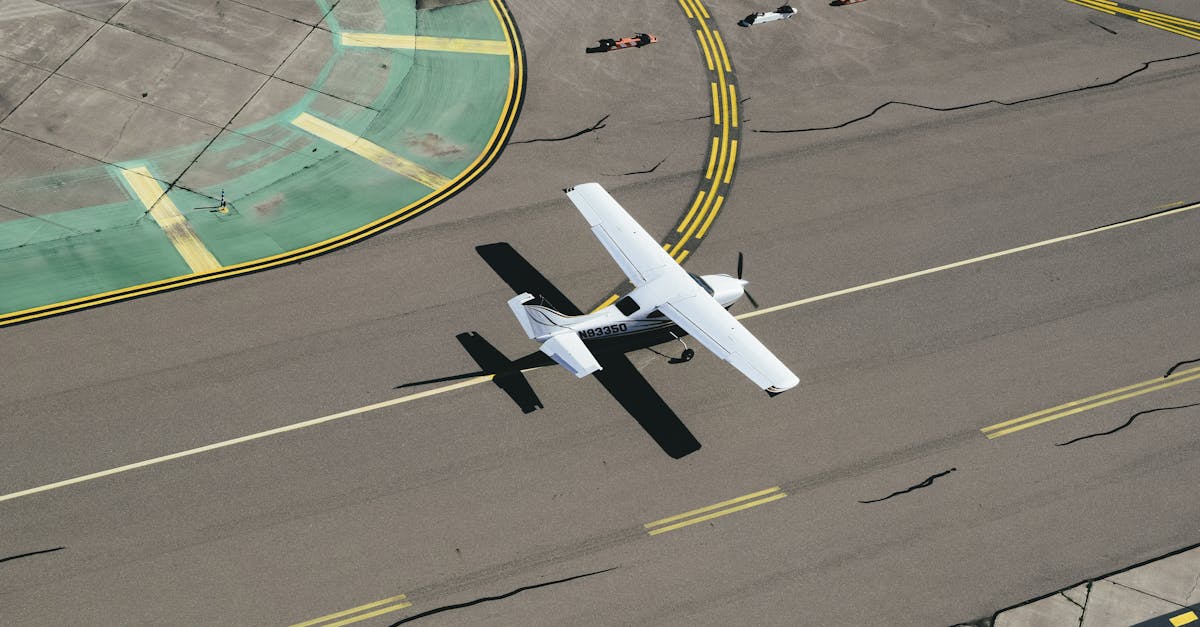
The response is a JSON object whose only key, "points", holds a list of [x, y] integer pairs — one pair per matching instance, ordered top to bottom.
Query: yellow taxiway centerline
{"points": [[420, 42], [368, 150], [150, 192], [354, 610]]}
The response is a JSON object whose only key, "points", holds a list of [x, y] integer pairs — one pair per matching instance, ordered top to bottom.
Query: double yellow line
{"points": [[1170, 23], [1091, 402], [716, 510], [360, 613]]}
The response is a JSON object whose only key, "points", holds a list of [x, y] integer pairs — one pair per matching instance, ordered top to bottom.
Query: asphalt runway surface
{"points": [[460, 496]]}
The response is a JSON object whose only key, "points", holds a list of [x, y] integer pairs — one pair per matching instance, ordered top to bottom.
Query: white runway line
{"points": [[481, 379]]}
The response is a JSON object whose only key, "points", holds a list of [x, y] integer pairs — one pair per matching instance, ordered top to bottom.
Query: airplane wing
{"points": [[640, 257], [679, 297], [707, 321]]}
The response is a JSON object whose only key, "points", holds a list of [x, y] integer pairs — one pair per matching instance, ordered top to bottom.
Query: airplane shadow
{"points": [[618, 375]]}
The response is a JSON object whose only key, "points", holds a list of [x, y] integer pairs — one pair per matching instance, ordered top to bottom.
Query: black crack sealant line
{"points": [[1145, 66], [595, 127], [664, 160], [1176, 366], [1126, 424], [924, 484], [31, 553], [456, 606]]}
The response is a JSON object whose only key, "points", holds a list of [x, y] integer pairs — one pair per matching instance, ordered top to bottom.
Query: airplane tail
{"points": [[539, 321], [548, 326]]}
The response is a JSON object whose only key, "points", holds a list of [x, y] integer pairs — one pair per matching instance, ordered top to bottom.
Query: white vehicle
{"points": [[782, 13], [665, 298]]}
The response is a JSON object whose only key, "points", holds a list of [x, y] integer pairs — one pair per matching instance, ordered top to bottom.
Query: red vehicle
{"points": [[636, 41]]}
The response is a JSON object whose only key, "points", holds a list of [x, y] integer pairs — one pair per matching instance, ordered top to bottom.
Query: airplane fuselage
{"points": [[621, 319]]}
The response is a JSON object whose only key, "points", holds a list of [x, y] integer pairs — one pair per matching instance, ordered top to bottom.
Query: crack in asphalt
{"points": [[1102, 26], [64, 62], [1146, 65], [709, 115], [595, 127], [664, 160], [173, 184], [1176, 366], [1127, 423], [924, 484], [14, 557], [1063, 594], [1087, 594], [1149, 594], [456, 606]]}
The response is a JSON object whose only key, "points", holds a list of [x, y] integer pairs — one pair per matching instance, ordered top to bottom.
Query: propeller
{"points": [[739, 276]]}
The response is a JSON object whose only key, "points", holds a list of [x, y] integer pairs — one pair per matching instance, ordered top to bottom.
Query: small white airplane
{"points": [[665, 297]]}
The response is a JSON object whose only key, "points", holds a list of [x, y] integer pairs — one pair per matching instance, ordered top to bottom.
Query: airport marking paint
{"points": [[1162, 21], [419, 42], [496, 142], [369, 150], [712, 190], [183, 237], [1173, 380], [1084, 404], [715, 510], [366, 610]]}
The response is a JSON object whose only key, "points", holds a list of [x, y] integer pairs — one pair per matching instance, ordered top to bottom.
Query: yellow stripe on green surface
{"points": [[419, 42], [369, 150], [150, 192]]}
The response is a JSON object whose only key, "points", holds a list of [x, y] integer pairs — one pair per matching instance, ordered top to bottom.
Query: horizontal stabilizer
{"points": [[570, 353]]}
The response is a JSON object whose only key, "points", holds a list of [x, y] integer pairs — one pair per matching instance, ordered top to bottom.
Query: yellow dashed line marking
{"points": [[687, 11], [1162, 21], [419, 42], [704, 46], [721, 48], [716, 100], [733, 107], [368, 150], [732, 158], [712, 161], [692, 211], [711, 214], [170, 220], [1184, 619]]}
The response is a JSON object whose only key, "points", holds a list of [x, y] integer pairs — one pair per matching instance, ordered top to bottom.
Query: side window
{"points": [[627, 306]]}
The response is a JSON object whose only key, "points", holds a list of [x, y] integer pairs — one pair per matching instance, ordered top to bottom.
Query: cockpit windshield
{"points": [[708, 288]]}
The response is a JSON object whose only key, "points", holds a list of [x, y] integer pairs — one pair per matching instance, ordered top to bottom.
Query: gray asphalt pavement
{"points": [[460, 496]]}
